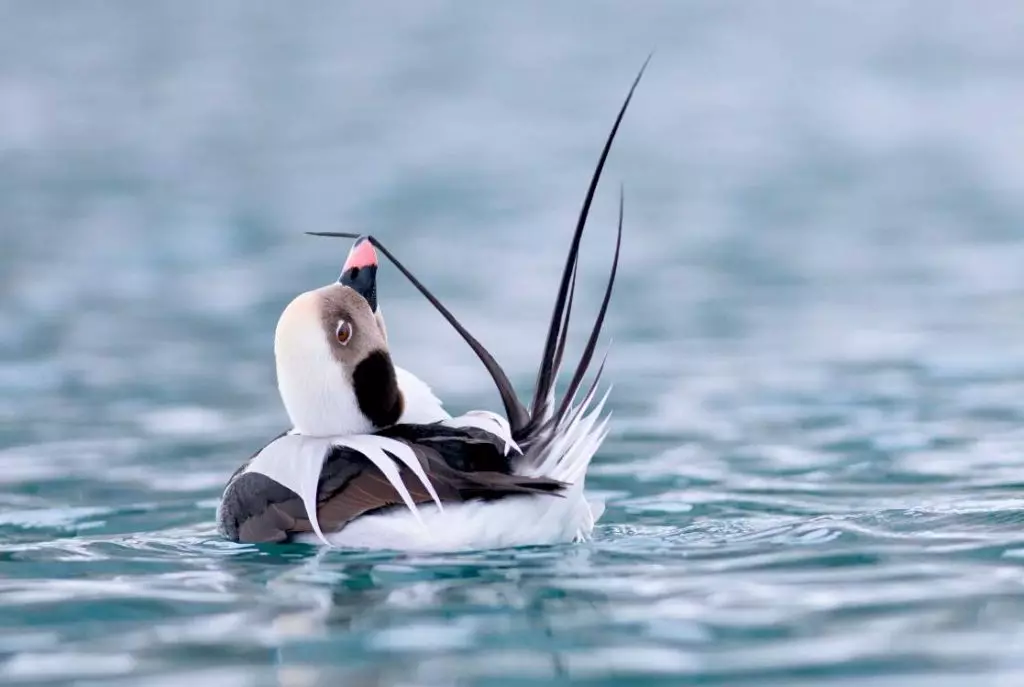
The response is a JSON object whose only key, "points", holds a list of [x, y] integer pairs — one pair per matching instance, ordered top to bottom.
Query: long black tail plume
{"points": [[558, 329], [588, 351], [514, 410], [546, 430]]}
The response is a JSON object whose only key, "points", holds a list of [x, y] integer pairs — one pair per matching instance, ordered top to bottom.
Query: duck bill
{"points": [[360, 271]]}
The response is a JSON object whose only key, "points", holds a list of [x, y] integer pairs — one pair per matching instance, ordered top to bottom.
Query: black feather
{"points": [[556, 332], [588, 351], [377, 389], [465, 448]]}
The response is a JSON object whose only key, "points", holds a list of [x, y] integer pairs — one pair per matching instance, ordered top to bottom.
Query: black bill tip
{"points": [[360, 271]]}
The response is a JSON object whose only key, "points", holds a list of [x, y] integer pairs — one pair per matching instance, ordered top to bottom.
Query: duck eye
{"points": [[344, 332]]}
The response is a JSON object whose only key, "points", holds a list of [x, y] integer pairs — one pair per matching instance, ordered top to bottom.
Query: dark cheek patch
{"points": [[377, 389]]}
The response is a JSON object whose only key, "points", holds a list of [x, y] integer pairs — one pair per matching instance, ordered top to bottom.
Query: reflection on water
{"points": [[814, 470]]}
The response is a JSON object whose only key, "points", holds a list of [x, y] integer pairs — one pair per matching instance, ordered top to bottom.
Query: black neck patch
{"points": [[377, 389]]}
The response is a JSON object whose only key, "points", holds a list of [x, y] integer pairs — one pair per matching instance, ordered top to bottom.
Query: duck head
{"points": [[334, 370]]}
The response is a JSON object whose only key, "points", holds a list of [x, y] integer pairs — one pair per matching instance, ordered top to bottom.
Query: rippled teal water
{"points": [[816, 462]]}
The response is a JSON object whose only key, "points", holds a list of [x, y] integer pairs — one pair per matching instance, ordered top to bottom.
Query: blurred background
{"points": [[815, 460]]}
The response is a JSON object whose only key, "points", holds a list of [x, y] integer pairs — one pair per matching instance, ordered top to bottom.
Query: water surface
{"points": [[816, 459]]}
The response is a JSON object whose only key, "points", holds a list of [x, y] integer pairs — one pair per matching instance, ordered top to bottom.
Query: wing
{"points": [[467, 449], [450, 466], [256, 507]]}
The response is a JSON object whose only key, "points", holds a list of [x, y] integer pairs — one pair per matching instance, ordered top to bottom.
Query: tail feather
{"points": [[540, 409], [564, 437], [571, 456]]}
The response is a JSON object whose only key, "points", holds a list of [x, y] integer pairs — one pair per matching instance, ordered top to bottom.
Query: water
{"points": [[815, 467]]}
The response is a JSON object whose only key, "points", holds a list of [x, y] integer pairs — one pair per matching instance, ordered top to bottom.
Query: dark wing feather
{"points": [[464, 448], [368, 492], [255, 508], [276, 524]]}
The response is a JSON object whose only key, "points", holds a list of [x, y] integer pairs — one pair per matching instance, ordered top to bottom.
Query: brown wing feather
{"points": [[367, 492], [276, 523]]}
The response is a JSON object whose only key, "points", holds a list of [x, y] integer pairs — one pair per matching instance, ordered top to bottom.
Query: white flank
{"points": [[471, 526]]}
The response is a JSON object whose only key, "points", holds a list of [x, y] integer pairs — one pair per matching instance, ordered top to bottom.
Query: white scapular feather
{"points": [[485, 420], [373, 447], [409, 459], [295, 461]]}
